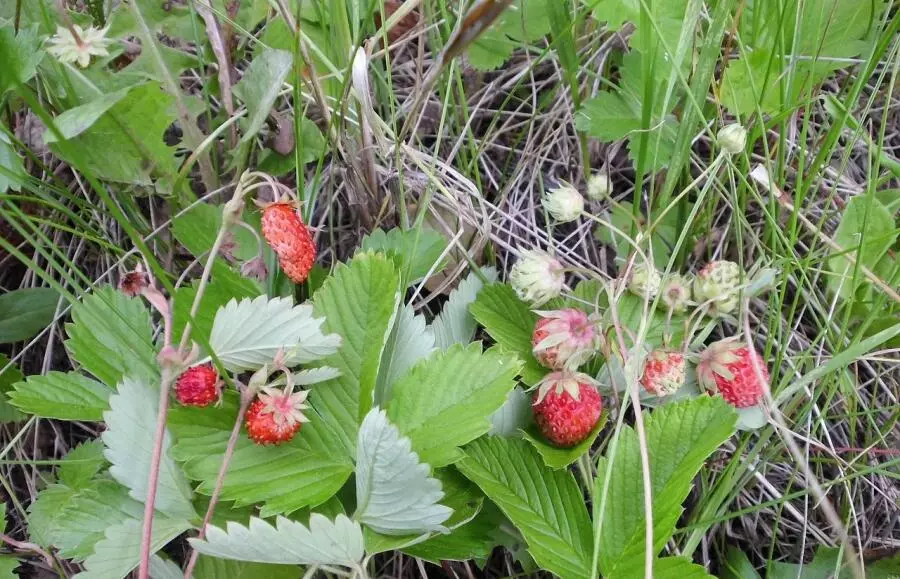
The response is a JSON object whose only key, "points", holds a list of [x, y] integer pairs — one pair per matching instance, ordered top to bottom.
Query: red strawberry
{"points": [[290, 239], [563, 338], [735, 371], [664, 372], [198, 386], [566, 407], [276, 416]]}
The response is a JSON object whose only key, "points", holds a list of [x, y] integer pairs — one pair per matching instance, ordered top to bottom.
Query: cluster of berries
{"points": [[716, 286], [274, 416]]}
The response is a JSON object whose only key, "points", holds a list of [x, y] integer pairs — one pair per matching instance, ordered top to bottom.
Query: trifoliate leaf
{"points": [[524, 21], [260, 86], [415, 251], [359, 302], [25, 312], [510, 322], [455, 324], [250, 333], [111, 336], [411, 340], [9, 375], [62, 395], [446, 401], [515, 415], [680, 436], [129, 439], [304, 472], [394, 493], [546, 505], [288, 542], [119, 552]]}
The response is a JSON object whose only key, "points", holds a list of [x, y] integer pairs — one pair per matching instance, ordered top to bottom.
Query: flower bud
{"points": [[732, 139], [599, 186], [564, 203], [537, 277], [644, 281], [717, 284]]}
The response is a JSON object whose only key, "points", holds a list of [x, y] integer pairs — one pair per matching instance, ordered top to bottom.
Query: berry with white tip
{"points": [[717, 284], [563, 339], [735, 371], [664, 372], [566, 407], [276, 416]]}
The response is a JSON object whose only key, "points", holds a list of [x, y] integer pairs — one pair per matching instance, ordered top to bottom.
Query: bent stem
{"points": [[246, 399]]}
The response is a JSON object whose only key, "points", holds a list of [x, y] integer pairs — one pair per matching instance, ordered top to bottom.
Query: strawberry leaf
{"points": [[523, 22], [260, 86], [415, 251], [359, 302], [25, 312], [510, 323], [455, 324], [250, 333], [111, 336], [411, 340], [9, 375], [65, 396], [446, 401], [514, 416], [131, 428], [680, 436], [394, 493], [546, 505], [287, 543], [119, 552], [215, 568]]}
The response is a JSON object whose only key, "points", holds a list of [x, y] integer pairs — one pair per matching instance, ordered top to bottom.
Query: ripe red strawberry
{"points": [[290, 239], [563, 338], [735, 371], [664, 372], [198, 386], [566, 407], [276, 416]]}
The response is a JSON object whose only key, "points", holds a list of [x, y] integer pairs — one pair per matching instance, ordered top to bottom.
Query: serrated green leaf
{"points": [[615, 12], [524, 21], [20, 51], [260, 86], [608, 117], [77, 120], [196, 230], [866, 231], [415, 251], [225, 285], [359, 302], [630, 310], [25, 312], [510, 322], [455, 324], [250, 333], [111, 336], [411, 340], [9, 375], [62, 395], [446, 401], [514, 416], [680, 436], [129, 440], [556, 457], [81, 465], [304, 472], [394, 493], [546, 505], [474, 540], [288, 542], [120, 550], [164, 568], [215, 568], [671, 568]]}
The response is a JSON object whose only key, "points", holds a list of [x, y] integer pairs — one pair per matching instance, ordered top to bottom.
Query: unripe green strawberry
{"points": [[290, 239], [644, 281], [717, 285], [676, 293], [563, 338], [735, 371], [664, 372], [198, 386], [566, 407], [276, 416]]}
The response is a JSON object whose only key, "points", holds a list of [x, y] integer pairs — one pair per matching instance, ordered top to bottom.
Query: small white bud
{"points": [[732, 139], [599, 186], [564, 203], [537, 277]]}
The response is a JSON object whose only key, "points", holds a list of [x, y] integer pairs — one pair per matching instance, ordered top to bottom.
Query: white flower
{"points": [[90, 42], [732, 139], [599, 186], [564, 203], [537, 277]]}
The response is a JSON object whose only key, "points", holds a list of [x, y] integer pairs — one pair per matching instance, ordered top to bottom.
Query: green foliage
{"points": [[525, 21], [821, 34], [21, 54], [260, 86], [12, 172], [866, 233], [415, 251], [225, 285], [359, 302], [25, 312], [510, 323], [455, 324], [111, 337], [411, 340], [9, 375], [66, 396], [446, 401], [514, 416], [680, 436], [129, 439], [81, 465], [304, 472], [546, 505], [474, 540], [119, 551], [829, 562], [737, 565], [215, 568]]}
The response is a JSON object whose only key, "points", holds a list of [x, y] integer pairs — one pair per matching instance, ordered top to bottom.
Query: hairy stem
{"points": [[246, 399], [23, 546]]}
